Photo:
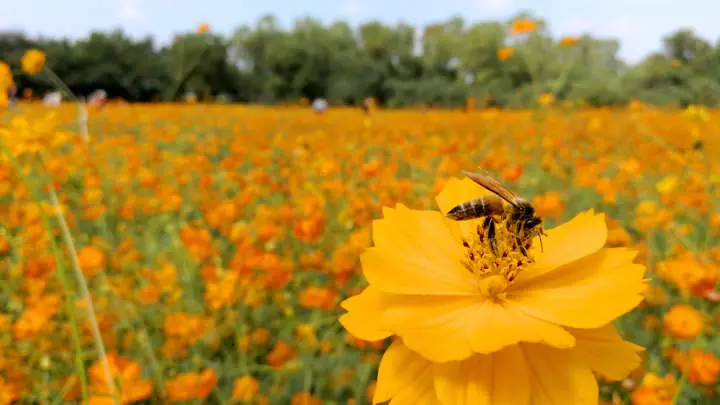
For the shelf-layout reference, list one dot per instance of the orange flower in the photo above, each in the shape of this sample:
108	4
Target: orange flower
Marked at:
36	316
522	26
504	53
303	398
512	173
317	297
245	388
689	275
184	326
280	354
568	41
704	368
655	390
127	375
260	336
202	28
370	169
191	386
8	392
549	205
223	292
683	322
464	314
91	260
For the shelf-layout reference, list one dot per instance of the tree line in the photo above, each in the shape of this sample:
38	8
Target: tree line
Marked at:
442	63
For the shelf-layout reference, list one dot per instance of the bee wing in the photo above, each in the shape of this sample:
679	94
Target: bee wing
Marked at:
494	186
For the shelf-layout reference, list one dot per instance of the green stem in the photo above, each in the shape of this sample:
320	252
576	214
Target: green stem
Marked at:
56	80
562	78
85	293
184	78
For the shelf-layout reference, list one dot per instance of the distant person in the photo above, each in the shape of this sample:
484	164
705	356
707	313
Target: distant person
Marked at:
97	99
320	105
52	99
368	105
12	96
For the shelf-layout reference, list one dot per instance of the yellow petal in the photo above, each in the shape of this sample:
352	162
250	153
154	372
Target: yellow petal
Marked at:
404	377
605	352
587	293
363	318
557	378
581	236
458	191
415	253
454	328
497	378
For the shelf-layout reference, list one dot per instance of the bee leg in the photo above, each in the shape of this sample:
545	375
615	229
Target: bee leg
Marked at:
489	224
519	243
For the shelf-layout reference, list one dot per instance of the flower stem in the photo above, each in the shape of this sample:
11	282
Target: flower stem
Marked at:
85	294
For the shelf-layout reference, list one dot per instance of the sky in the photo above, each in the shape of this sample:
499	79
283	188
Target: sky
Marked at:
638	24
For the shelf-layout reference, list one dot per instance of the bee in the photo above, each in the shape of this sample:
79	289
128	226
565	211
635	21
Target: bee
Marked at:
519	213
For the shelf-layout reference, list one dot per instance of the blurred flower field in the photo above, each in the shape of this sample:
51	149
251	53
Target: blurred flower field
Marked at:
217	242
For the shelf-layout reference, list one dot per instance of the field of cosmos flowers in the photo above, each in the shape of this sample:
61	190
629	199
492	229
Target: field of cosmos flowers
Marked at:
200	253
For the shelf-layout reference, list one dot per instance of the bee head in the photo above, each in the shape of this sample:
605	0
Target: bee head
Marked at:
533	222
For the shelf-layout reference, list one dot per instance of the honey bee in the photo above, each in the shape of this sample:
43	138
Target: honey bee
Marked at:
519	214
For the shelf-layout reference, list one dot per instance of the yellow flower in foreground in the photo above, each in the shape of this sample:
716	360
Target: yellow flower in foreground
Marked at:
33	61
477	329
6	77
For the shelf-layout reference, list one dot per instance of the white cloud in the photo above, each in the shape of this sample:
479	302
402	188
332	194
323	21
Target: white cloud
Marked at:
619	26
130	10
624	25
352	7
494	5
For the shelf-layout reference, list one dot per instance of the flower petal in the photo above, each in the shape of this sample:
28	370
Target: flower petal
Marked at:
415	253
605	352
404	377
454	328
581	236
458	191
363	317
557	378
587	293
497	378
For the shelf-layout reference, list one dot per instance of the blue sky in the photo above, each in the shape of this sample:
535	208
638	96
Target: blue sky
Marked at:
639	24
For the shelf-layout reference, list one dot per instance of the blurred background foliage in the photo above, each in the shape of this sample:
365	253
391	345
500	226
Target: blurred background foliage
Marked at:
441	64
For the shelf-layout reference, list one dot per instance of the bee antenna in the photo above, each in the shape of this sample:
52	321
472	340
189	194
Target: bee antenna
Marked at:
540	235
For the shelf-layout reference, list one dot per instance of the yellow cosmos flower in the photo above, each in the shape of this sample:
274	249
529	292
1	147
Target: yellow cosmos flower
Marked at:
6	77
478	329
33	61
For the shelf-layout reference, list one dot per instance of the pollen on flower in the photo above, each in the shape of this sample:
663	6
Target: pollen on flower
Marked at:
494	268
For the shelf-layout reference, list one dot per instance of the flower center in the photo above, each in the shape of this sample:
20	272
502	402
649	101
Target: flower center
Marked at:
494	260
